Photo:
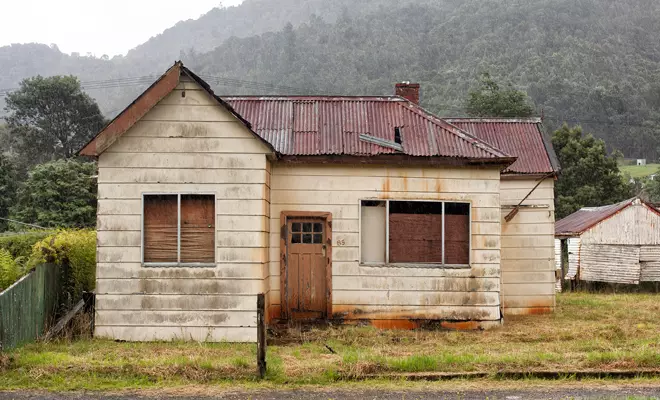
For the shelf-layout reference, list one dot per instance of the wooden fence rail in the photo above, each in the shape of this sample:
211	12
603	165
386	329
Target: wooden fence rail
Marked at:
27	307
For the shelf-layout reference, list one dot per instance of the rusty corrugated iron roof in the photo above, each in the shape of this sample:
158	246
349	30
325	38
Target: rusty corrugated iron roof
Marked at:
520	137
332	125
585	218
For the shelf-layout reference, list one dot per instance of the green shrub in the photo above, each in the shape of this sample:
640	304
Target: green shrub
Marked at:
10	270
20	244
75	252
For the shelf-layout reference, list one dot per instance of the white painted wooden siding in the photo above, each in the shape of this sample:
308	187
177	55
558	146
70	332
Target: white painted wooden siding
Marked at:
528	249
558	264
185	144
390	292
635	225
610	263
624	248
574	245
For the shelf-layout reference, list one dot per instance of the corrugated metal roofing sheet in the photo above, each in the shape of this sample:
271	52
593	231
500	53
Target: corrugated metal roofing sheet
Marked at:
327	125
522	138
586	218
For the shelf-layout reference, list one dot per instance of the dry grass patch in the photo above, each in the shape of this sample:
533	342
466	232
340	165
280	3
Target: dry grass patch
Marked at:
602	332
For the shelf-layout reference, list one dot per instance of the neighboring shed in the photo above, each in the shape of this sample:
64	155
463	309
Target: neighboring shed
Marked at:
618	243
350	209
527	185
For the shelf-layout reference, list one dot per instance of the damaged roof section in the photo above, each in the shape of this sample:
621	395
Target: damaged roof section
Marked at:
523	138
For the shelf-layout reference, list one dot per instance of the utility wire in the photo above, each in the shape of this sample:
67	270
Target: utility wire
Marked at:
148	79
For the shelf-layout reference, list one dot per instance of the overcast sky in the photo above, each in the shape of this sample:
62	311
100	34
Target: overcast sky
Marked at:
98	26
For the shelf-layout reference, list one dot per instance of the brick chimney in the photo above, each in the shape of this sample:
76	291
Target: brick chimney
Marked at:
407	90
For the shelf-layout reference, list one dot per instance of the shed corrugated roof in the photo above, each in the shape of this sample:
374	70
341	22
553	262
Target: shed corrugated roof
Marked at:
587	217
327	125
521	138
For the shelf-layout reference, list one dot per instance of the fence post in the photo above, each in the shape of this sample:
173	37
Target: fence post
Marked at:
261	335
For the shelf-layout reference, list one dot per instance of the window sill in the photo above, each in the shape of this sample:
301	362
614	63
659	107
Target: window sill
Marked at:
416	265
178	265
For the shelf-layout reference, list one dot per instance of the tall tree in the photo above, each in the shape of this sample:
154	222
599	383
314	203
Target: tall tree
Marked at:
7	189
51	118
590	176
491	100
5	139
60	193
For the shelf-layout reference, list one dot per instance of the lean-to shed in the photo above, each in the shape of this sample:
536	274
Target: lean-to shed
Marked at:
618	243
350	209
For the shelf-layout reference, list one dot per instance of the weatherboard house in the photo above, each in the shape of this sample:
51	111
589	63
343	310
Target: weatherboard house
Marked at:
350	209
617	243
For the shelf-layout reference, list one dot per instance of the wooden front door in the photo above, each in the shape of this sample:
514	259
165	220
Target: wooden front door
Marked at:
307	267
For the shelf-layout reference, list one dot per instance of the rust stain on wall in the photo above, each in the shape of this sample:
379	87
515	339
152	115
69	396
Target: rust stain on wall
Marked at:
387	187
438	186
404	319
461	326
538	311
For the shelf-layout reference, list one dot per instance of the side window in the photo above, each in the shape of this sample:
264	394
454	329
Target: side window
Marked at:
179	230
414	232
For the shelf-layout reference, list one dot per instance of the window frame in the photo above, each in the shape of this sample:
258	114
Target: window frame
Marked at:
387	235
178	235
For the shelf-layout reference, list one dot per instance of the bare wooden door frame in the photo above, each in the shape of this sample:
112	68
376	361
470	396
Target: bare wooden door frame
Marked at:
284	287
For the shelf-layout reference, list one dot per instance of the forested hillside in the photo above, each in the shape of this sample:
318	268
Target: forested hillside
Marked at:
594	62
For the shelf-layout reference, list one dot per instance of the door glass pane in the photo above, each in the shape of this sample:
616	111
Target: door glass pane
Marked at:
307	227
296	227
318	228
307	239
318	238
296	238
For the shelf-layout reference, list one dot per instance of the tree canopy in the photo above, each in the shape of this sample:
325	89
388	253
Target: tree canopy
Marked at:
491	100
590	177
51	118
58	194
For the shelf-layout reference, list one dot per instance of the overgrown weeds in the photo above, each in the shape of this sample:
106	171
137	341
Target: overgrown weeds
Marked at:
588	332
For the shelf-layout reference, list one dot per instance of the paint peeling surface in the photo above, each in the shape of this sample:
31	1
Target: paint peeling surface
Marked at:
522	138
328	125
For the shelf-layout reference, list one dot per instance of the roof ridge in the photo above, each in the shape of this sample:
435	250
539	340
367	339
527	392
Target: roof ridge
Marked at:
312	98
512	120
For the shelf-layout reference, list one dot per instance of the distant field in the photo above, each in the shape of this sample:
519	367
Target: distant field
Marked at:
640	171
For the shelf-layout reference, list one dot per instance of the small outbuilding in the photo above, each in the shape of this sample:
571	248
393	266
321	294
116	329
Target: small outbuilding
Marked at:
618	243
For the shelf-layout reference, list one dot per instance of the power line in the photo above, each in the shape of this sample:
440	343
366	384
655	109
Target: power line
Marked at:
149	79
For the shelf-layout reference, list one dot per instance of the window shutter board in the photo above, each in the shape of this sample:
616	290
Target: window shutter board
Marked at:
457	239
415	238
160	228
197	229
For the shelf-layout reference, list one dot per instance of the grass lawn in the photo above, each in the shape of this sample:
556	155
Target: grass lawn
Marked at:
588	331
641	171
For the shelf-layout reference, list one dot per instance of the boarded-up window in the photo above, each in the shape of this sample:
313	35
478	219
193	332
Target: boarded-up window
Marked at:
415	232
179	229
160	229
457	233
